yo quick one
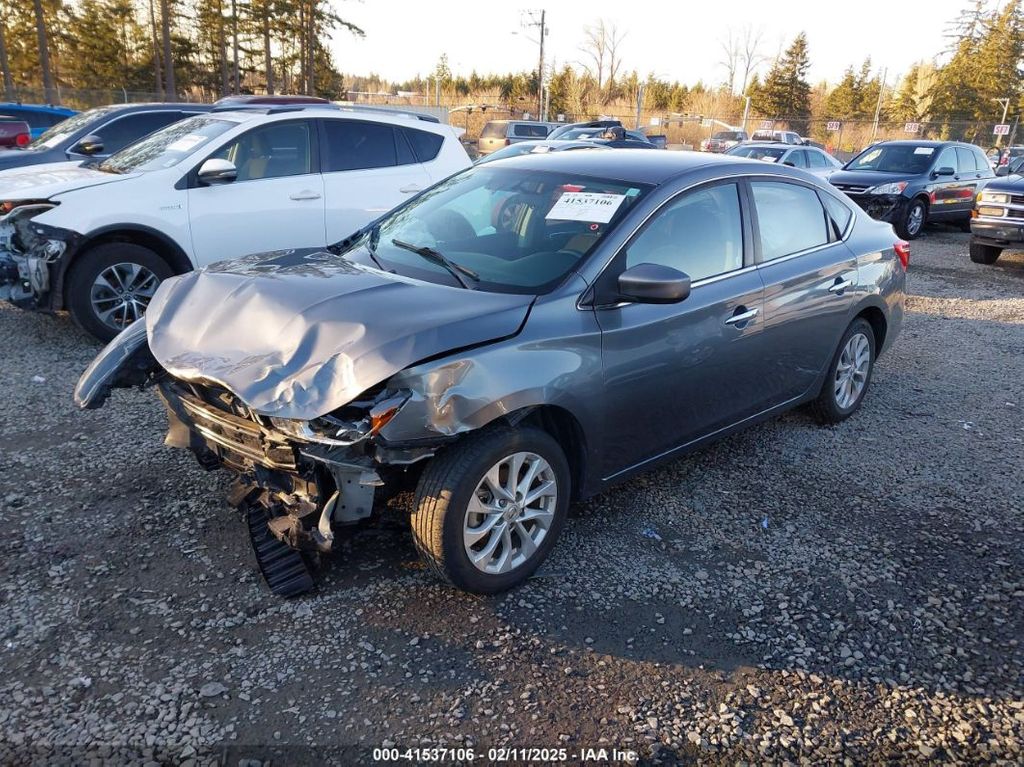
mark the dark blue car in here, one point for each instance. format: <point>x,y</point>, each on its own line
<point>909,183</point>
<point>97,133</point>
<point>40,117</point>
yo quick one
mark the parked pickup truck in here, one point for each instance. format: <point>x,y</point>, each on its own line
<point>998,221</point>
<point>14,134</point>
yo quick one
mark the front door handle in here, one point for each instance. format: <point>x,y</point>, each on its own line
<point>742,316</point>
<point>305,194</point>
<point>411,189</point>
<point>840,285</point>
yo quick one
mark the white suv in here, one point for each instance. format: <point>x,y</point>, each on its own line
<point>98,240</point>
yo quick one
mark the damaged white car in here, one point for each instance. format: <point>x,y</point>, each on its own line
<point>98,240</point>
<point>519,336</point>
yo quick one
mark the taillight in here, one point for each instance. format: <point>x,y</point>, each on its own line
<point>22,139</point>
<point>903,251</point>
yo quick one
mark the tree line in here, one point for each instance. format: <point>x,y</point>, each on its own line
<point>171,48</point>
<point>206,48</point>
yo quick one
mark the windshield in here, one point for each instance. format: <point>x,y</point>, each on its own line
<point>768,154</point>
<point>62,130</point>
<point>168,146</point>
<point>894,158</point>
<point>517,231</point>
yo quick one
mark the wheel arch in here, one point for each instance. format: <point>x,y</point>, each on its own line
<point>876,318</point>
<point>566,430</point>
<point>137,234</point>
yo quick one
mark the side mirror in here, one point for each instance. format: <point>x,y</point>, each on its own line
<point>654,284</point>
<point>790,163</point>
<point>215,171</point>
<point>1003,170</point>
<point>88,145</point>
<point>944,171</point>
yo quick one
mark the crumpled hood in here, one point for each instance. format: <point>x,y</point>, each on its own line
<point>42,182</point>
<point>299,333</point>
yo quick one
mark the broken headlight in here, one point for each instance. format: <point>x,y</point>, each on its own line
<point>348,425</point>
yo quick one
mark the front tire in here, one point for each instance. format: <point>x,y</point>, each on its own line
<point>912,222</point>
<point>489,509</point>
<point>849,374</point>
<point>110,286</point>
<point>984,254</point>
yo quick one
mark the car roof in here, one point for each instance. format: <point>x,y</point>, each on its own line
<point>640,166</point>
<point>922,142</point>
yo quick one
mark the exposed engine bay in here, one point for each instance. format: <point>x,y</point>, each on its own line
<point>28,252</point>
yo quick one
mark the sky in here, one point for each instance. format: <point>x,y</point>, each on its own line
<point>674,40</point>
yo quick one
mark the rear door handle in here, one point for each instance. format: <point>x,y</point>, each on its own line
<point>840,285</point>
<point>304,195</point>
<point>742,316</point>
<point>411,189</point>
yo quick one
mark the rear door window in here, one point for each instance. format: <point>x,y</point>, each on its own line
<point>790,219</point>
<point>356,145</point>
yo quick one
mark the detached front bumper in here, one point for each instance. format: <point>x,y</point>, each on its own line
<point>32,259</point>
<point>882,207</point>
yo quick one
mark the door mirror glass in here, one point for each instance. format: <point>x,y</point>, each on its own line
<point>89,145</point>
<point>216,171</point>
<point>653,284</point>
<point>945,170</point>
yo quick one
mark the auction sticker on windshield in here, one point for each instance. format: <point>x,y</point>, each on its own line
<point>923,150</point>
<point>593,207</point>
<point>185,143</point>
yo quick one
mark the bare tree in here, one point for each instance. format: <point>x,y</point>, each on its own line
<point>5,65</point>
<point>732,54</point>
<point>751,56</point>
<point>601,44</point>
<point>44,53</point>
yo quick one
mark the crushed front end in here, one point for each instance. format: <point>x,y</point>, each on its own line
<point>31,254</point>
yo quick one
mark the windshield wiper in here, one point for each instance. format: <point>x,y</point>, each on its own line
<point>437,257</point>
<point>371,245</point>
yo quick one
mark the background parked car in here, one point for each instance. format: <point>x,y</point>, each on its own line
<point>999,221</point>
<point>98,133</point>
<point>909,183</point>
<point>40,117</point>
<point>811,159</point>
<point>211,187</point>
<point>14,134</point>
<point>564,128</point>
<point>783,136</point>
<point>723,140</point>
<point>538,147</point>
<point>613,136</point>
<point>1008,156</point>
<point>500,133</point>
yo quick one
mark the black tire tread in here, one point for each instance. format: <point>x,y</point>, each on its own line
<point>984,254</point>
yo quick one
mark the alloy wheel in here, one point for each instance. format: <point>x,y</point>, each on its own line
<point>121,293</point>
<point>852,371</point>
<point>915,219</point>
<point>510,513</point>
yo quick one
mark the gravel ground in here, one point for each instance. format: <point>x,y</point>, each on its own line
<point>792,593</point>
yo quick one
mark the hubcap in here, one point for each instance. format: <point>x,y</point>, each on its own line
<point>852,371</point>
<point>510,513</point>
<point>121,293</point>
<point>916,219</point>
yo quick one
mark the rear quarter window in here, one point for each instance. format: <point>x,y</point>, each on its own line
<point>839,214</point>
<point>425,145</point>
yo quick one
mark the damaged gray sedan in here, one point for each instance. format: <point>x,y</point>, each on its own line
<point>518,337</point>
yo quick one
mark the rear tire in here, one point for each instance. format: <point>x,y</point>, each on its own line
<point>457,515</point>
<point>912,222</point>
<point>849,374</point>
<point>984,254</point>
<point>109,286</point>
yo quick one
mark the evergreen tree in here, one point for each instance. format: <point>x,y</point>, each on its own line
<point>786,94</point>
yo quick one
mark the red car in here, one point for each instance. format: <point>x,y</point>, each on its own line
<point>13,133</point>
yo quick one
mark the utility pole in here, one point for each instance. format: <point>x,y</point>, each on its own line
<point>539,19</point>
<point>878,106</point>
<point>1006,108</point>
<point>746,113</point>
